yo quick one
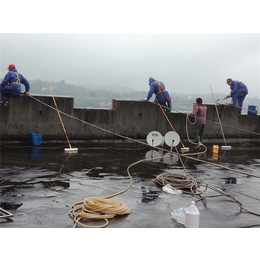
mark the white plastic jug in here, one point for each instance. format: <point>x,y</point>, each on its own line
<point>192,216</point>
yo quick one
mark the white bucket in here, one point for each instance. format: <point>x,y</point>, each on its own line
<point>192,216</point>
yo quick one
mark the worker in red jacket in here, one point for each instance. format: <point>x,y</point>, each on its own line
<point>200,112</point>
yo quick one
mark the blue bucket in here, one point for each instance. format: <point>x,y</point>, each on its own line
<point>252,110</point>
<point>35,139</point>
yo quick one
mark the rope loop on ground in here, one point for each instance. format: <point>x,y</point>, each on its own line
<point>179,181</point>
<point>97,209</point>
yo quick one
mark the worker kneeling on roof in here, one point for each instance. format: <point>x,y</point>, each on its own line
<point>11,85</point>
<point>162,95</point>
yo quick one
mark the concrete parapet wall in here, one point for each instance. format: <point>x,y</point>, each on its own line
<point>133,119</point>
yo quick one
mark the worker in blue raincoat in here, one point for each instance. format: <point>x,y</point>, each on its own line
<point>162,95</point>
<point>238,92</point>
<point>11,85</point>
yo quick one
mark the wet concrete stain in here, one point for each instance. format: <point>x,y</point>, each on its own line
<point>10,206</point>
<point>149,195</point>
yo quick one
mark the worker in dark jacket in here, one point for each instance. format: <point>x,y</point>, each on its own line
<point>238,92</point>
<point>162,95</point>
<point>11,85</point>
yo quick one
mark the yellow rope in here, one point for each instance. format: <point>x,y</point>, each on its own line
<point>97,209</point>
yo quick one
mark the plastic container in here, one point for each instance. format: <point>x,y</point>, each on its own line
<point>215,156</point>
<point>179,215</point>
<point>192,216</point>
<point>169,189</point>
<point>215,148</point>
<point>252,110</point>
<point>35,139</point>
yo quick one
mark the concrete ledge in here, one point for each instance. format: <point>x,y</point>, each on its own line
<point>126,118</point>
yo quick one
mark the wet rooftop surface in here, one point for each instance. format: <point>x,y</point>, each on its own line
<point>39,185</point>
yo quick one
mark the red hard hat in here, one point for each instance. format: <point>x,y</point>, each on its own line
<point>11,66</point>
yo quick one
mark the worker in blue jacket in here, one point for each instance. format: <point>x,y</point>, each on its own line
<point>238,92</point>
<point>162,95</point>
<point>11,85</point>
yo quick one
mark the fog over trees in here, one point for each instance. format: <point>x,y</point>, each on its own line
<point>100,96</point>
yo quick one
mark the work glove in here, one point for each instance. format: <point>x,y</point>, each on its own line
<point>26,93</point>
<point>145,99</point>
<point>228,96</point>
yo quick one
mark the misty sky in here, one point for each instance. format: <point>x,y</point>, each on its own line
<point>187,62</point>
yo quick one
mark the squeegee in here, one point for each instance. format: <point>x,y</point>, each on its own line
<point>225,147</point>
<point>185,149</point>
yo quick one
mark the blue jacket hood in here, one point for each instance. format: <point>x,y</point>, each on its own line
<point>151,80</point>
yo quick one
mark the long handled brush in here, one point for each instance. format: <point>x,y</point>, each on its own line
<point>70,149</point>
<point>225,147</point>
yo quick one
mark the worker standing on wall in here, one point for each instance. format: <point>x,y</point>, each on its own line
<point>162,95</point>
<point>238,93</point>
<point>11,85</point>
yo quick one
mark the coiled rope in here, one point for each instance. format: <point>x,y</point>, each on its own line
<point>99,209</point>
<point>178,181</point>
